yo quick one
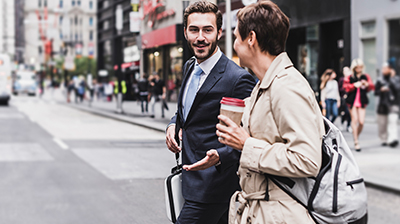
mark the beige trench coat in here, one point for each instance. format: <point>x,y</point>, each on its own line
<point>286,129</point>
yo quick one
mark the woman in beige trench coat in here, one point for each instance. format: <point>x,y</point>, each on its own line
<point>282,123</point>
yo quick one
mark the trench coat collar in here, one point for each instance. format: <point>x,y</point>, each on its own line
<point>278,65</point>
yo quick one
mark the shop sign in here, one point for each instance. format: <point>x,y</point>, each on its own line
<point>134,22</point>
<point>152,11</point>
<point>103,73</point>
<point>131,53</point>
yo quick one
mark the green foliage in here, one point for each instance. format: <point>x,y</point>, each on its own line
<point>83,66</point>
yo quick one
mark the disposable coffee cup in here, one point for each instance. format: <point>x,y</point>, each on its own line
<point>232,108</point>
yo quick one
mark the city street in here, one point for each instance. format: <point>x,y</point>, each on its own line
<point>62,165</point>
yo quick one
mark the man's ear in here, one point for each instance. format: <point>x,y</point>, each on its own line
<point>219,34</point>
<point>184,33</point>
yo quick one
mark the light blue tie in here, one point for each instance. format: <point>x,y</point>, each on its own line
<point>192,90</point>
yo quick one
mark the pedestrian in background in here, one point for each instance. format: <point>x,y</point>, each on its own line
<point>158,94</point>
<point>357,86</point>
<point>209,177</point>
<point>330,97</point>
<point>143,86</point>
<point>344,109</point>
<point>282,122</point>
<point>387,88</point>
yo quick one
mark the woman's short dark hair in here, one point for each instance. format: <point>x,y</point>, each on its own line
<point>203,7</point>
<point>269,23</point>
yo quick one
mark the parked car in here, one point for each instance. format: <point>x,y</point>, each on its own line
<point>5,79</point>
<point>25,82</point>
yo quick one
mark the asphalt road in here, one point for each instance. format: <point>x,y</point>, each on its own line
<point>60,165</point>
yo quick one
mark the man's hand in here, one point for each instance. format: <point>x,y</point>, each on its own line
<point>170,139</point>
<point>212,158</point>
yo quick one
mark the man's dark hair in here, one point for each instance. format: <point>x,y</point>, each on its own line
<point>269,23</point>
<point>203,7</point>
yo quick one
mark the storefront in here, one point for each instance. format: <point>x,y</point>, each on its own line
<point>319,37</point>
<point>163,43</point>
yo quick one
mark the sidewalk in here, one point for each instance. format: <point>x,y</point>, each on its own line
<point>380,166</point>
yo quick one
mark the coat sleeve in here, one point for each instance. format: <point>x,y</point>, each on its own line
<point>297,151</point>
<point>243,87</point>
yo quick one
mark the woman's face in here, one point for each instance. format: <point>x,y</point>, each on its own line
<point>358,69</point>
<point>333,76</point>
<point>241,48</point>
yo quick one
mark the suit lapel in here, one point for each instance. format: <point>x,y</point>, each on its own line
<point>212,79</point>
<point>188,71</point>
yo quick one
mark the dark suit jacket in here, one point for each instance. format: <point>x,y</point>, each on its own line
<point>215,184</point>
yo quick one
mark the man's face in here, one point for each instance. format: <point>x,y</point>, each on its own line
<point>386,70</point>
<point>202,35</point>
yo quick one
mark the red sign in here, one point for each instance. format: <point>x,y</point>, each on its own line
<point>150,11</point>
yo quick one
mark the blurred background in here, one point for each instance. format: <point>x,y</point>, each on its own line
<point>82,141</point>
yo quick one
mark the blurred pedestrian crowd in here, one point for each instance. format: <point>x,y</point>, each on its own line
<point>348,99</point>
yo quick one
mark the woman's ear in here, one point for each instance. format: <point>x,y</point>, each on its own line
<point>251,39</point>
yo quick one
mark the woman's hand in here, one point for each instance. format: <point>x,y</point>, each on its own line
<point>357,84</point>
<point>231,135</point>
<point>364,84</point>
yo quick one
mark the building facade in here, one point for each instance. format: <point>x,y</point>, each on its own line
<point>375,36</point>
<point>118,46</point>
<point>7,28</point>
<point>19,31</point>
<point>71,24</point>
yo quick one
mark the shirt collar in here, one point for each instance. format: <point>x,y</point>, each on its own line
<point>209,64</point>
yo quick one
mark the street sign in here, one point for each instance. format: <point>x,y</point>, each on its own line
<point>103,73</point>
<point>69,63</point>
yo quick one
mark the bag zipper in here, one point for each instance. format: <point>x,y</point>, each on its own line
<point>351,183</point>
<point>335,184</point>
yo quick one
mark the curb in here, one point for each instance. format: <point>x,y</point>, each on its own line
<point>161,128</point>
<point>120,117</point>
<point>382,187</point>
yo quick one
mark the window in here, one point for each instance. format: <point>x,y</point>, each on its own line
<point>91,35</point>
<point>45,3</point>
<point>40,49</point>
<point>76,20</point>
<point>61,35</point>
<point>79,2</point>
<point>394,44</point>
<point>40,3</point>
<point>91,21</point>
<point>90,5</point>
<point>76,36</point>
<point>73,2</point>
<point>61,3</point>
<point>61,19</point>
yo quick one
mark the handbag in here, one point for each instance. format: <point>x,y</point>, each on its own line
<point>173,192</point>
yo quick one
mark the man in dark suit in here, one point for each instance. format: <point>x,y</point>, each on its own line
<point>209,176</point>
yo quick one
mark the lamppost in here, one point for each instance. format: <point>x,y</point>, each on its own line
<point>117,49</point>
